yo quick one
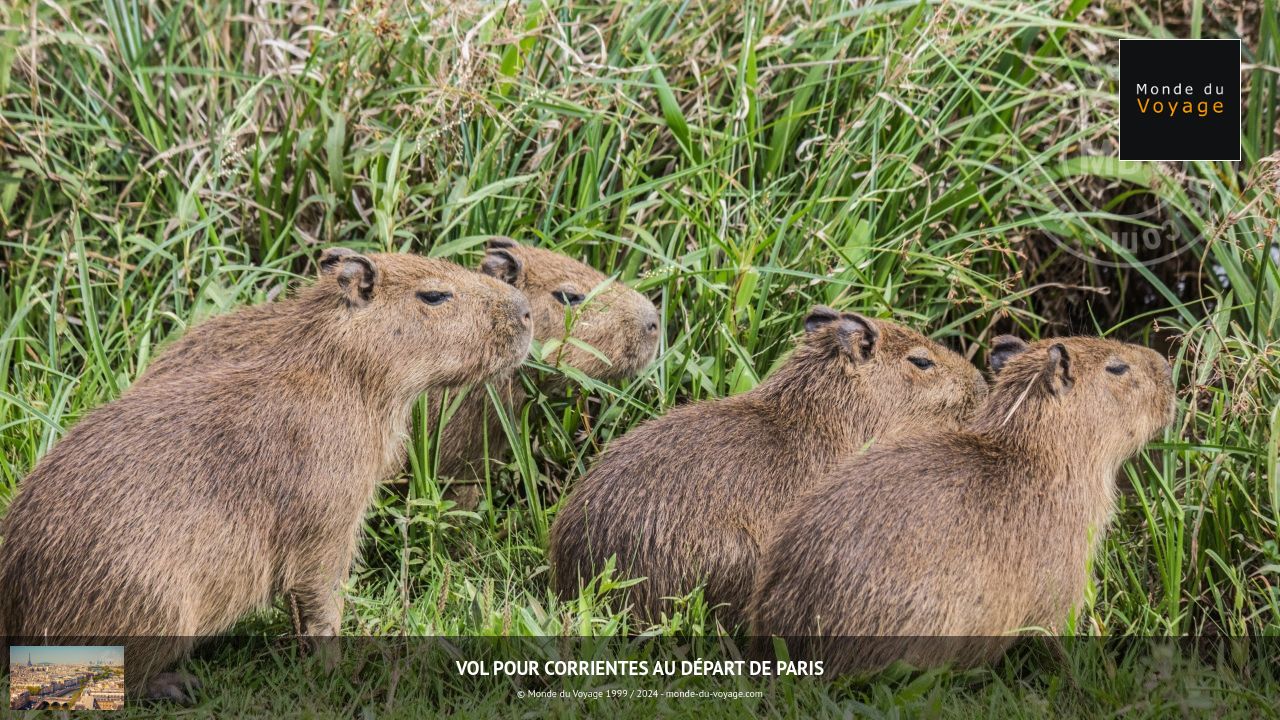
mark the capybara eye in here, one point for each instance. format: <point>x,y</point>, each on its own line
<point>434,297</point>
<point>1118,368</point>
<point>565,297</point>
<point>923,363</point>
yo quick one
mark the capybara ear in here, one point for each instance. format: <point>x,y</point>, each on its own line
<point>356,274</point>
<point>500,264</point>
<point>819,317</point>
<point>859,336</point>
<point>1004,348</point>
<point>1057,369</point>
<point>500,241</point>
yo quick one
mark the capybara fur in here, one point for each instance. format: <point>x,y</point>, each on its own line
<point>689,498</point>
<point>620,324</point>
<point>195,498</point>
<point>971,534</point>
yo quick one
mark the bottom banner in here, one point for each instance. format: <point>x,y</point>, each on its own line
<point>642,676</point>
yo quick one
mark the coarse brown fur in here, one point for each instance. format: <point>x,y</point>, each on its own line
<point>617,322</point>
<point>971,534</point>
<point>195,498</point>
<point>691,496</point>
<point>572,303</point>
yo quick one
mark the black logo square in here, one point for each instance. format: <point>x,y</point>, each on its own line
<point>1180,100</point>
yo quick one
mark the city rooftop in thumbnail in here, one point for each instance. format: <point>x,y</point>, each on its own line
<point>80,677</point>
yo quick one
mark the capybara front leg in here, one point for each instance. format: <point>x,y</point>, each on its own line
<point>319,606</point>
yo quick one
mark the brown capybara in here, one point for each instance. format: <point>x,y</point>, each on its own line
<point>973,533</point>
<point>191,500</point>
<point>690,497</point>
<point>619,324</point>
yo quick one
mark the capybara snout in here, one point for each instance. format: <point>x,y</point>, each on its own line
<point>512,321</point>
<point>582,319</point>
<point>422,300</point>
<point>568,299</point>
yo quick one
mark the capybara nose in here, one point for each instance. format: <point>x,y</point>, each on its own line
<point>521,308</point>
<point>649,321</point>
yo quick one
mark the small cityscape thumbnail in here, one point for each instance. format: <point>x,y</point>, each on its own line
<point>78,677</point>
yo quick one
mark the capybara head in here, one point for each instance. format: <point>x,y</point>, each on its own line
<point>923,381</point>
<point>1090,389</point>
<point>411,315</point>
<point>571,300</point>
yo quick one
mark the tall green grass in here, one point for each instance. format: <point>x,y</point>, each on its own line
<point>738,163</point>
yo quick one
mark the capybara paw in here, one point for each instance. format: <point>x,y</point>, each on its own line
<point>178,687</point>
<point>326,649</point>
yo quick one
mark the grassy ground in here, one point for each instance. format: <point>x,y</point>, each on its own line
<point>935,162</point>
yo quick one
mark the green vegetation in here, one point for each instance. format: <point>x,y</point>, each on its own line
<point>738,162</point>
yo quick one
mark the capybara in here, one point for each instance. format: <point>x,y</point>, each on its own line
<point>620,325</point>
<point>971,534</point>
<point>691,497</point>
<point>193,499</point>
